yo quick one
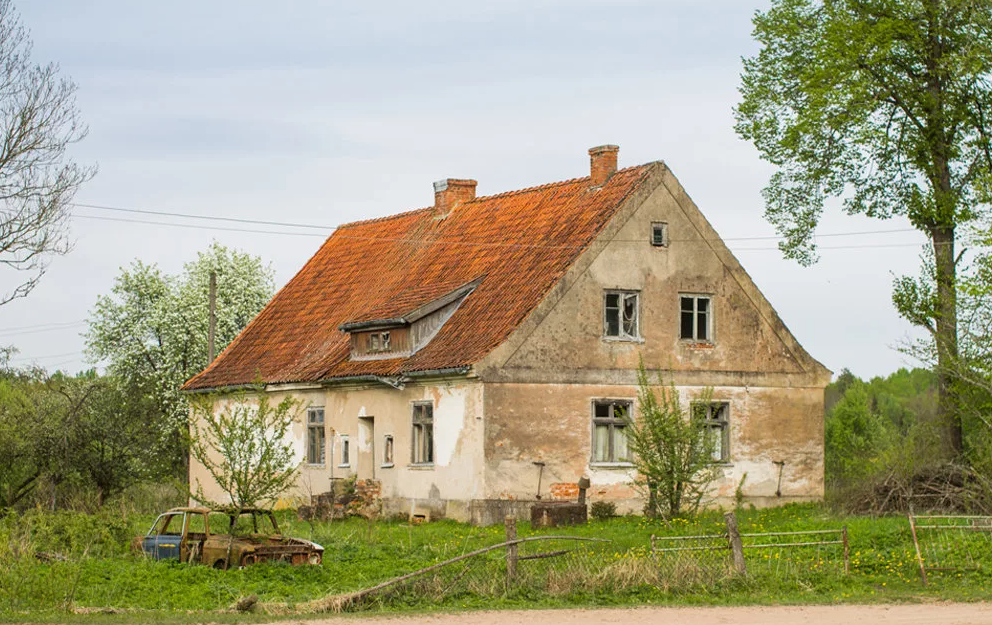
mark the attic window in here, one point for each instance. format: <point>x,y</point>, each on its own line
<point>378,342</point>
<point>659,234</point>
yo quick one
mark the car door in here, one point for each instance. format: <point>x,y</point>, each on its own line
<point>162,541</point>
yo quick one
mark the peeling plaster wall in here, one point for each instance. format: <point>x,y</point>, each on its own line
<point>540,384</point>
<point>552,423</point>
<point>443,490</point>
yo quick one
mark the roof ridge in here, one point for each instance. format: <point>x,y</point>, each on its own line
<point>502,194</point>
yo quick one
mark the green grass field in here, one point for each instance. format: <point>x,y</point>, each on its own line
<point>88,564</point>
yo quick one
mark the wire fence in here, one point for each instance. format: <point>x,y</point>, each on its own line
<point>950,543</point>
<point>686,561</point>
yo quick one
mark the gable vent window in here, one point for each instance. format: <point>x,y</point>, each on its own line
<point>659,234</point>
<point>696,318</point>
<point>620,310</point>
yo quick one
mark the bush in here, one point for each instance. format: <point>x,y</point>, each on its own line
<point>602,510</point>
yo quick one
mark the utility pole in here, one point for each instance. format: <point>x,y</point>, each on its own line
<point>213,317</point>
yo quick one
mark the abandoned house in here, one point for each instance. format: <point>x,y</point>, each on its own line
<point>460,357</point>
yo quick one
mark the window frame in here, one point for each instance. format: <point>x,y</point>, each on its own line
<point>717,418</point>
<point>710,325</point>
<point>313,426</point>
<point>622,335</point>
<point>345,451</point>
<point>422,448</point>
<point>388,451</point>
<point>663,226</point>
<point>613,423</point>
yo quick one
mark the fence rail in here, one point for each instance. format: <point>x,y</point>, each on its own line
<point>684,559</point>
<point>950,543</point>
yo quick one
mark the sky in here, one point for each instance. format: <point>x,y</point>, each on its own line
<point>324,112</point>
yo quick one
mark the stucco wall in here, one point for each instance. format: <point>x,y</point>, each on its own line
<point>540,384</point>
<point>552,423</point>
<point>443,489</point>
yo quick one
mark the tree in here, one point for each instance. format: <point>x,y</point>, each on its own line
<point>152,333</point>
<point>243,442</point>
<point>38,122</point>
<point>886,105</point>
<point>855,436</point>
<point>672,448</point>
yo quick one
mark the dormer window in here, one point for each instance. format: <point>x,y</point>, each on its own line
<point>400,329</point>
<point>378,342</point>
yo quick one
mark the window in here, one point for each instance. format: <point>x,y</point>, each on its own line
<point>609,437</point>
<point>379,342</point>
<point>387,451</point>
<point>620,315</point>
<point>716,420</point>
<point>695,318</point>
<point>316,447</point>
<point>423,434</point>
<point>659,234</point>
<point>345,452</point>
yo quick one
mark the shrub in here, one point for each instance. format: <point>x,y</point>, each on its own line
<point>602,510</point>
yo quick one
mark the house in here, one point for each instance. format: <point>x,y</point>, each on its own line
<point>444,353</point>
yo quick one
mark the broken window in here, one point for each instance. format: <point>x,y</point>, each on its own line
<point>423,434</point>
<point>716,420</point>
<point>695,318</point>
<point>378,342</point>
<point>316,447</point>
<point>609,435</point>
<point>620,315</point>
<point>387,451</point>
<point>345,452</point>
<point>659,234</point>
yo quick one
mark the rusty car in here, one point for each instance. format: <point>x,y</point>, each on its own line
<point>224,538</point>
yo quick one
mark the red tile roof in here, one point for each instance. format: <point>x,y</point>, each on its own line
<point>520,243</point>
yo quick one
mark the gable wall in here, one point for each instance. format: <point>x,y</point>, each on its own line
<point>540,385</point>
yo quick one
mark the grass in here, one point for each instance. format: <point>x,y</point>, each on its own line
<point>91,566</point>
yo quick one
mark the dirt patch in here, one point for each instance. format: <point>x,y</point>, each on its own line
<point>904,614</point>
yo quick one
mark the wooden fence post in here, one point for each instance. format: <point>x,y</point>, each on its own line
<point>847,552</point>
<point>916,544</point>
<point>511,550</point>
<point>736,546</point>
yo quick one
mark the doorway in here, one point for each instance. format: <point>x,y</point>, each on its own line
<point>366,448</point>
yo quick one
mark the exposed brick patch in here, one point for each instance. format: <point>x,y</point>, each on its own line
<point>368,490</point>
<point>564,491</point>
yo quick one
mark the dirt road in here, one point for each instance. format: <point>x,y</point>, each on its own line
<point>904,614</point>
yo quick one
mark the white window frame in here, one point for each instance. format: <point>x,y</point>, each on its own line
<point>313,426</point>
<point>345,451</point>
<point>388,451</point>
<point>613,423</point>
<point>695,312</point>
<point>622,297</point>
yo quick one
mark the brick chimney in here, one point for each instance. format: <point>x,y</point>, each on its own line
<point>602,163</point>
<point>450,193</point>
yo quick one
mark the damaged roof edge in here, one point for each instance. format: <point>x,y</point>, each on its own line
<point>351,379</point>
<point>418,313</point>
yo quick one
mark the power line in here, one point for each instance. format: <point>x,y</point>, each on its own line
<point>6,333</point>
<point>208,217</point>
<point>197,226</point>
<point>42,325</point>
<point>501,244</point>
<point>331,228</point>
<point>46,357</point>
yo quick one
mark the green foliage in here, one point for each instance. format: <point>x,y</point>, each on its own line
<point>882,105</point>
<point>602,510</point>
<point>671,448</point>
<point>243,442</point>
<point>73,434</point>
<point>856,437</point>
<point>152,331</point>
<point>883,568</point>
